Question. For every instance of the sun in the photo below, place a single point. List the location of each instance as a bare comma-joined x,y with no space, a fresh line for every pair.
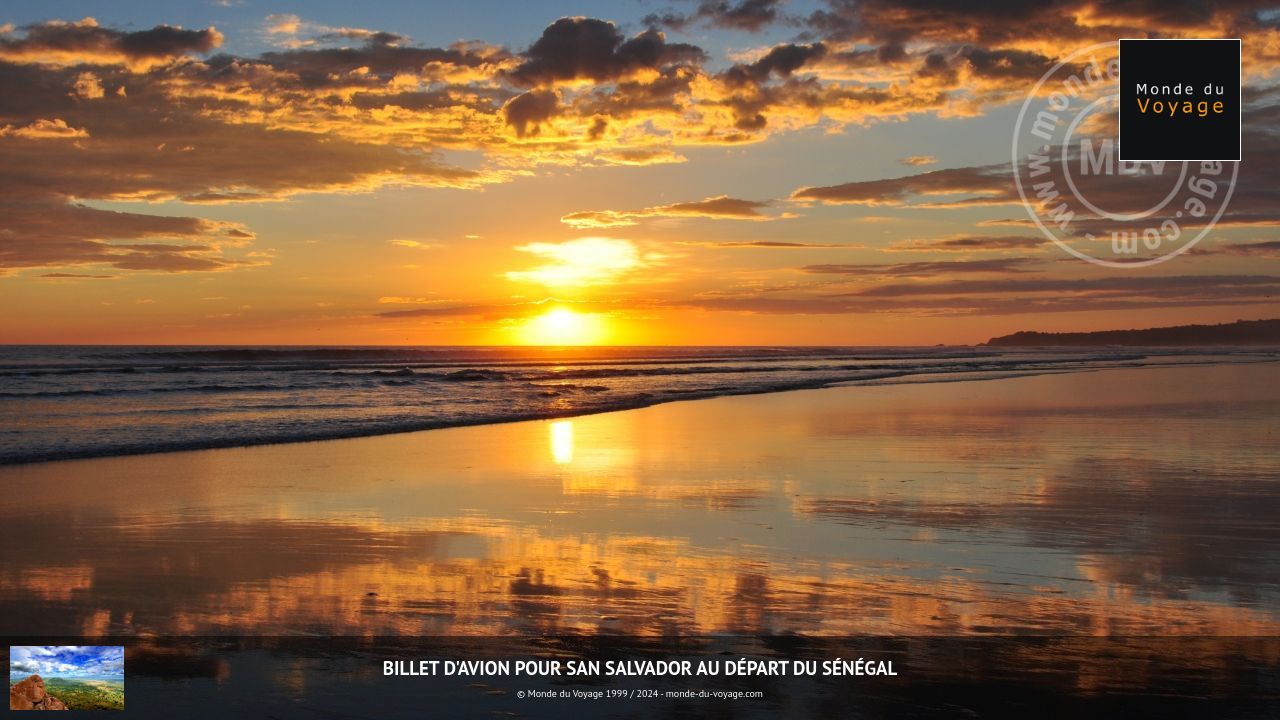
562,326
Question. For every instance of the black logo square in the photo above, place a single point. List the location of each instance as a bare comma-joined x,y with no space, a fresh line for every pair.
1180,100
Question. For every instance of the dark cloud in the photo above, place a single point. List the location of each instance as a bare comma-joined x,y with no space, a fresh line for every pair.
1018,296
1006,21
371,37
379,59
748,15
524,113
62,235
1185,285
987,182
722,206
74,276
981,53
85,42
780,245
1262,248
586,48
970,243
927,269
781,61
1003,63
1013,69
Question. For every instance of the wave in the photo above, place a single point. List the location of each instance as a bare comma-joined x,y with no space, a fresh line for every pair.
255,379
249,404
161,358
311,433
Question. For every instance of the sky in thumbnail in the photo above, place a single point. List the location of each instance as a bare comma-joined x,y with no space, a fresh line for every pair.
66,661
638,172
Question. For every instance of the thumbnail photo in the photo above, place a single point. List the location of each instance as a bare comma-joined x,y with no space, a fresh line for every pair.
66,677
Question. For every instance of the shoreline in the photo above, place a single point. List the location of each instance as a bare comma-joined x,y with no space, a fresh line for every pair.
888,378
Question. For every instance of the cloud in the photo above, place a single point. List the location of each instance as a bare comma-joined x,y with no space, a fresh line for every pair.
1255,201
184,131
1206,286
991,183
721,207
781,61
1261,248
748,15
55,129
579,48
1016,296
396,300
283,24
526,112
104,114
86,43
299,33
68,661
74,276
147,146
372,37
68,235
1000,21
443,311
88,86
1253,205
779,245
414,244
918,160
642,156
378,66
970,243
940,268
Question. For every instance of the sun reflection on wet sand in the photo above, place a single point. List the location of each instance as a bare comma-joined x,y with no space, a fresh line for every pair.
562,441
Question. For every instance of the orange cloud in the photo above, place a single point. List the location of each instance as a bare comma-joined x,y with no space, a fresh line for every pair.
918,160
55,129
721,207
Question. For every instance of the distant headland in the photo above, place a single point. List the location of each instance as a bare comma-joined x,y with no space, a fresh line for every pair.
1242,332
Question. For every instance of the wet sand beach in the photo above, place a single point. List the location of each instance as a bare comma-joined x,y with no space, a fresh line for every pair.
1116,502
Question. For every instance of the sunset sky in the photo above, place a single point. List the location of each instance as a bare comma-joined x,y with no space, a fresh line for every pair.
631,172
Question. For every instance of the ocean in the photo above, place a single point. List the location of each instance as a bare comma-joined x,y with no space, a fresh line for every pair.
62,402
